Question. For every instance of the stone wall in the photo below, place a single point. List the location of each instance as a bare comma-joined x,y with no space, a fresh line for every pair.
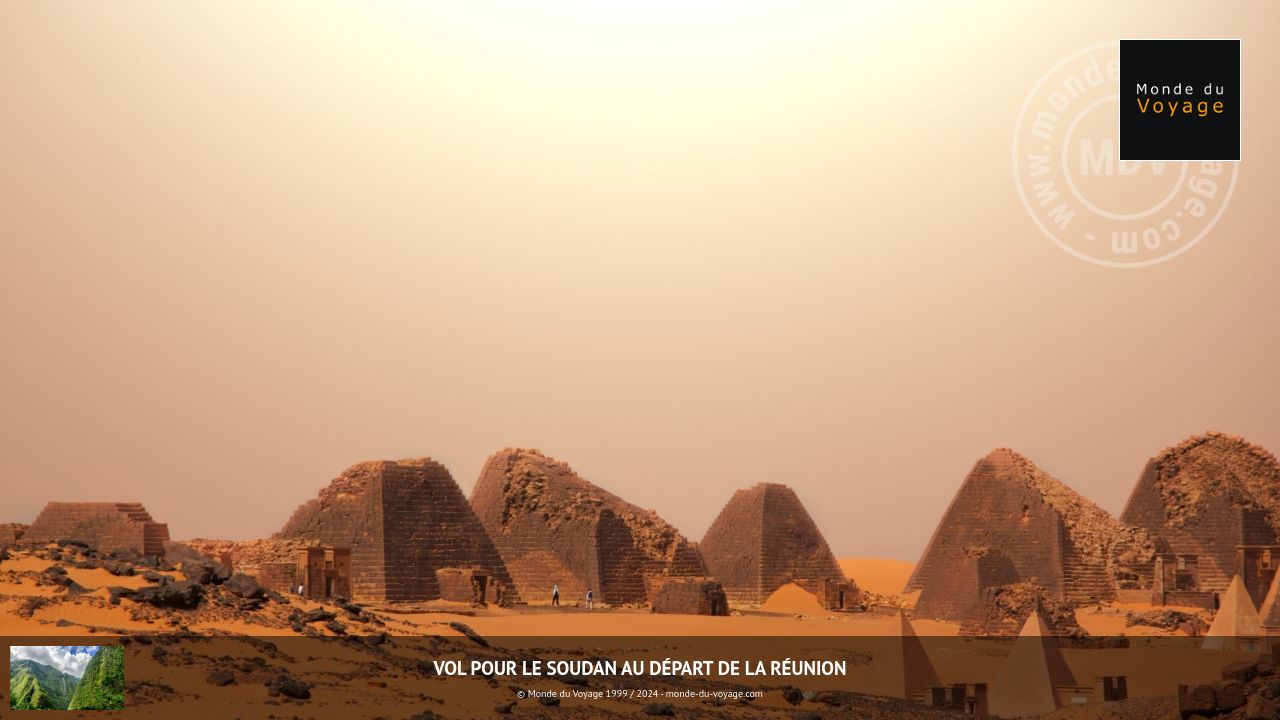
764,539
279,576
11,533
402,521
107,527
689,596
552,527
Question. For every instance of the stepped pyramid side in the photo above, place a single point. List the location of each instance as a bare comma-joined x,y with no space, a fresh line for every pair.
733,546
764,539
552,527
1205,496
792,547
403,520
106,526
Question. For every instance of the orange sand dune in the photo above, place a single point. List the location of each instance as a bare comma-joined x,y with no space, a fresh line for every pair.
793,599
878,575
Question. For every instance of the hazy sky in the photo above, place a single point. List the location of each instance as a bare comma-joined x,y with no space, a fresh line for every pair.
684,246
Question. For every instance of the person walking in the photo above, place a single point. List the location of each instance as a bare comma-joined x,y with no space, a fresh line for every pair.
591,598
555,595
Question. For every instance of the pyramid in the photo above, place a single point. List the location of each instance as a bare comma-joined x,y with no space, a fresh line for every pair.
403,520
1011,522
764,539
1204,497
1027,683
1236,619
552,527
106,526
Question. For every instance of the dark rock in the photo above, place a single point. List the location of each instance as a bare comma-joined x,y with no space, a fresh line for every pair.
666,709
336,627
1260,708
1198,699
119,569
289,687
221,678
316,615
244,586
471,634
183,594
1229,695
155,577
826,697
792,694
204,572
504,708
548,700
1242,670
74,542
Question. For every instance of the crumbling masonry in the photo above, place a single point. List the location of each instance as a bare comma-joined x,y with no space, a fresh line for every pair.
552,528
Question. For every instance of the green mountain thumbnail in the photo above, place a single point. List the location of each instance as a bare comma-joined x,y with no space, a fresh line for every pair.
36,686
102,687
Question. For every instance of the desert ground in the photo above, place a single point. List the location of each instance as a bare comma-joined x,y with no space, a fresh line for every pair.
368,662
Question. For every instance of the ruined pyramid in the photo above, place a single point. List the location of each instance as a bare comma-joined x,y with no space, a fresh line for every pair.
1010,522
106,526
1028,682
1236,624
552,527
764,539
1204,497
403,520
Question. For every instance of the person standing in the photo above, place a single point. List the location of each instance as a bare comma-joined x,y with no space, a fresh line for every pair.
591,598
555,595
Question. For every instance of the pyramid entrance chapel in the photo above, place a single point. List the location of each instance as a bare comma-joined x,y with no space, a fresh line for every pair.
764,539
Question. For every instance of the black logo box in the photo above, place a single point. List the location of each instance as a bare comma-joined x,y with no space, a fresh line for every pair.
1208,133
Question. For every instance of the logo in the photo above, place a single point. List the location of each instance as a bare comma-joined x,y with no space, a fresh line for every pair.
1083,196
1180,100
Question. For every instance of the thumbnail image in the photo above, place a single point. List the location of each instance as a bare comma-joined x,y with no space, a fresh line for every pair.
66,677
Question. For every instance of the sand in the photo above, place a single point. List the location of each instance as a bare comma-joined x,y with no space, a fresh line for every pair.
878,575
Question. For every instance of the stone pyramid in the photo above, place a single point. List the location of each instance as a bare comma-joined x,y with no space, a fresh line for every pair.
1027,683
1269,613
1204,497
764,539
403,520
1236,620
552,527
1010,522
